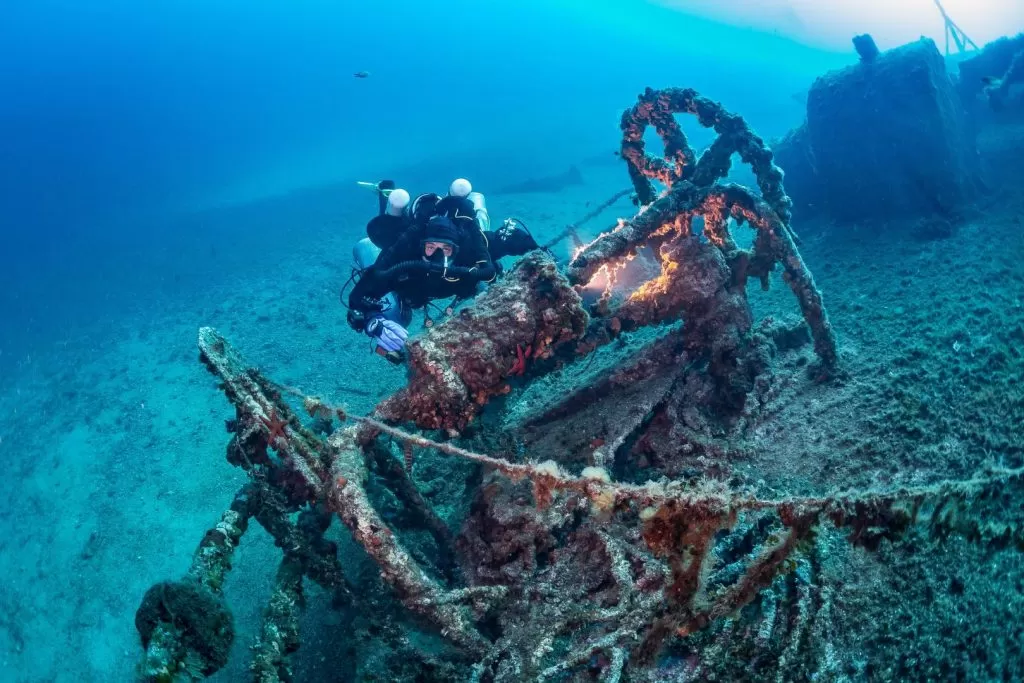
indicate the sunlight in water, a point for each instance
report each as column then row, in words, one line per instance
column 891, row 22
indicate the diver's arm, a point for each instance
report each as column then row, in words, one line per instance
column 367, row 291
column 374, row 284
column 473, row 251
column 483, row 269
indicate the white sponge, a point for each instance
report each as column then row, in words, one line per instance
column 460, row 187
column 397, row 201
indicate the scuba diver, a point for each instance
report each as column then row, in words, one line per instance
column 397, row 213
column 418, row 251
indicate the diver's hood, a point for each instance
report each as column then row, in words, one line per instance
column 441, row 229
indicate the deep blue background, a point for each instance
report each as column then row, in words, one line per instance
column 117, row 118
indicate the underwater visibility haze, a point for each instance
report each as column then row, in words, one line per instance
column 472, row 341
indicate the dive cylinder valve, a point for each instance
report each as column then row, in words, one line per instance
column 460, row 187
column 398, row 199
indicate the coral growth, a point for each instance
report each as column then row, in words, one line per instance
column 466, row 360
column 646, row 564
column 693, row 190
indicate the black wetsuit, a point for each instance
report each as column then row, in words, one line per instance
column 511, row 241
column 420, row 283
column 385, row 229
column 400, row 238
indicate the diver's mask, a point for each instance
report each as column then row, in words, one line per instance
column 438, row 252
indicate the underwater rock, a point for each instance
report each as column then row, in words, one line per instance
column 889, row 137
column 980, row 70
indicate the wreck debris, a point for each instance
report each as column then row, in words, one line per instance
column 852, row 116
column 991, row 71
column 657, row 108
column 693, row 190
column 342, row 489
column 866, row 47
column 674, row 552
column 998, row 89
column 952, row 30
column 639, row 383
column 414, row 587
column 686, row 533
column 572, row 230
column 279, row 637
column 466, row 360
column 603, row 573
column 185, row 626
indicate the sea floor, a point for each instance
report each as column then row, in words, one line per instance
column 114, row 438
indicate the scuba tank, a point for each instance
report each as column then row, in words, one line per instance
column 365, row 254
column 397, row 201
column 460, row 188
column 483, row 219
column 390, row 200
column 391, row 219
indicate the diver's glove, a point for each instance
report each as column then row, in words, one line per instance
column 357, row 316
column 389, row 335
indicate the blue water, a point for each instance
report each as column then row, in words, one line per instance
column 170, row 164
column 118, row 118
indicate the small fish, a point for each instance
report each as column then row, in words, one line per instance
column 361, row 74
